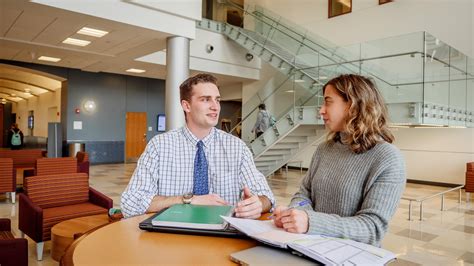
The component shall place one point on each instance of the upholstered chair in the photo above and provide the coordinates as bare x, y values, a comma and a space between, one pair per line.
50, 199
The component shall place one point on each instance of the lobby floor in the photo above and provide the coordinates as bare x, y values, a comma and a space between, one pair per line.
442, 238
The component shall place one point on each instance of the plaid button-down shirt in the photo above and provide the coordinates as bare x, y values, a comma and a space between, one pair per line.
166, 168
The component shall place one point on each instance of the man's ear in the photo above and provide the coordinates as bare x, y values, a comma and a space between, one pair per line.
186, 106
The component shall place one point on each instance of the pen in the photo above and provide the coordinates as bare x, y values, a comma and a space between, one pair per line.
300, 204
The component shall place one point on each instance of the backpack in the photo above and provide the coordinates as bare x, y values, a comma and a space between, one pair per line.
272, 120
16, 138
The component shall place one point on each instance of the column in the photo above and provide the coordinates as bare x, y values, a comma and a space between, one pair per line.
177, 70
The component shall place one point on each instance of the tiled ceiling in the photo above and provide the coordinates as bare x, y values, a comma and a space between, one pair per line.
29, 30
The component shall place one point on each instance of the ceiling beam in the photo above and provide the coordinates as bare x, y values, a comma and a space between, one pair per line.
1, 93
26, 83
10, 88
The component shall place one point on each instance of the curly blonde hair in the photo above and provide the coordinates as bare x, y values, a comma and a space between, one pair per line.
367, 118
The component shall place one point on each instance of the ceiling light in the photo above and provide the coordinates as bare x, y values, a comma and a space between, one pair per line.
13, 94
290, 91
77, 42
92, 32
135, 70
27, 90
49, 59
299, 80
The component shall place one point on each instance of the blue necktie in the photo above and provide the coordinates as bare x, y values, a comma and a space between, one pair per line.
200, 186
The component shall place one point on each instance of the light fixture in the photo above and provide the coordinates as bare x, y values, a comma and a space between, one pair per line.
89, 106
27, 90
92, 32
209, 48
49, 59
76, 42
13, 94
249, 56
135, 70
299, 80
290, 91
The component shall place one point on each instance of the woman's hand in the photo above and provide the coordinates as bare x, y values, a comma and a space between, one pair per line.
291, 220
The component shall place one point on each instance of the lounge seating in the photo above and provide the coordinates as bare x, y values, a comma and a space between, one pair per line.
56, 166
22, 158
82, 162
7, 178
13, 251
50, 199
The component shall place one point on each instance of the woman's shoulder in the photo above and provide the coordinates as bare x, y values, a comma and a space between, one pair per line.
387, 152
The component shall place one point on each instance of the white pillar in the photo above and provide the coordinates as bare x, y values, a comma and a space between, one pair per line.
177, 68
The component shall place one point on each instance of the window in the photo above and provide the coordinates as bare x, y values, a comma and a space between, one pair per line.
381, 2
339, 7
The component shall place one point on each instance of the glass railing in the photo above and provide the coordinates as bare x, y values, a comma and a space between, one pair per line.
424, 80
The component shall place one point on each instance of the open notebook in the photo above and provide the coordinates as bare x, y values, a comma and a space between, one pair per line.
326, 250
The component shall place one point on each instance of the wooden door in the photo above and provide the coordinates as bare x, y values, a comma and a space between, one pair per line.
135, 135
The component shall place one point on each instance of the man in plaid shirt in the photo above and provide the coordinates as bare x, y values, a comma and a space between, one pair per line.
167, 170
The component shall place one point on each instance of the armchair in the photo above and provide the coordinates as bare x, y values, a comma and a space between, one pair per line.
50, 199
82, 162
7, 178
13, 251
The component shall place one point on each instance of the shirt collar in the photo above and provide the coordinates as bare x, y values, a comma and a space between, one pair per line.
194, 140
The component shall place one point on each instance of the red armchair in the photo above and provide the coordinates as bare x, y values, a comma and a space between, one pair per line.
82, 162
13, 251
7, 178
51, 199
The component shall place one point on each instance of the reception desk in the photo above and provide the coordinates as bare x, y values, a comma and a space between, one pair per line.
123, 242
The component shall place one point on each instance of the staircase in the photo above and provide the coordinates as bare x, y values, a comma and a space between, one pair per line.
409, 100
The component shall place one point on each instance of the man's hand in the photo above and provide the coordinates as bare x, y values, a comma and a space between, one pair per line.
209, 199
292, 220
249, 207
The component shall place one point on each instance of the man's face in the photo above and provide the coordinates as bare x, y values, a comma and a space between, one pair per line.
202, 111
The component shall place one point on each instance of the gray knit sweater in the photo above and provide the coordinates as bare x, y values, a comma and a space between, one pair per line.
352, 195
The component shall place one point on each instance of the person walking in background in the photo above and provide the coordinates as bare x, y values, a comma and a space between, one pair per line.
15, 137
263, 121
356, 178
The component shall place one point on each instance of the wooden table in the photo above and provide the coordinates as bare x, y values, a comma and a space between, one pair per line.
124, 243
62, 234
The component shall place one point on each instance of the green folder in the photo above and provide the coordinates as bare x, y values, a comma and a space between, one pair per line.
194, 216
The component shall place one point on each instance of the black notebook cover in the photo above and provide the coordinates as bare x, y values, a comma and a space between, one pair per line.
229, 232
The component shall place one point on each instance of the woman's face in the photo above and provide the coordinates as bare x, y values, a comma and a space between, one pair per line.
334, 110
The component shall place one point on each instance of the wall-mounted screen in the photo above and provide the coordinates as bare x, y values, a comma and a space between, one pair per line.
161, 123
31, 121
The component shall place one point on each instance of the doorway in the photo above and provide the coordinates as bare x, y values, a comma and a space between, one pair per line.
135, 135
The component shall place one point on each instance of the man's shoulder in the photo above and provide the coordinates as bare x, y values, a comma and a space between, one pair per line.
227, 137
168, 136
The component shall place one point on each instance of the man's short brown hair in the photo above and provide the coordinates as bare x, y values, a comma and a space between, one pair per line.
186, 88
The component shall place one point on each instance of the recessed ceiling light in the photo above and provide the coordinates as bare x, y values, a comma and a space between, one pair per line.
27, 90
77, 42
135, 70
50, 59
92, 32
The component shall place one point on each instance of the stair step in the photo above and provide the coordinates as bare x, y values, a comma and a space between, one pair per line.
278, 152
290, 139
287, 145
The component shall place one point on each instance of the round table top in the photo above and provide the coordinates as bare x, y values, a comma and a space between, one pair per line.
124, 242
79, 225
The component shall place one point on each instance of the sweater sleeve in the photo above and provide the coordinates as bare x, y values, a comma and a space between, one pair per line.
381, 197
304, 193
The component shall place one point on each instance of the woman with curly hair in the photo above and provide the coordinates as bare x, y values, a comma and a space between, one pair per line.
356, 178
